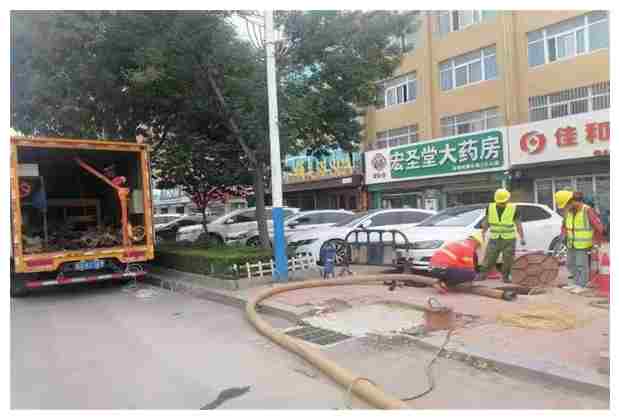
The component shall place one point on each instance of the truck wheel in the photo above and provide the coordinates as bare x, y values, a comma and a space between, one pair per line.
18, 286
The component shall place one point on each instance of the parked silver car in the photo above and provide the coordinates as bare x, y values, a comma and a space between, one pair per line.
231, 228
304, 221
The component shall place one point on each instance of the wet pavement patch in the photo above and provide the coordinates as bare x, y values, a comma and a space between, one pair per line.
376, 318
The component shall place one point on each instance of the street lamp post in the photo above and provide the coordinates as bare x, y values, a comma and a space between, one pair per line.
274, 140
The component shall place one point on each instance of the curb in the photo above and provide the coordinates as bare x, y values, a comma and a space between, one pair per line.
225, 297
576, 379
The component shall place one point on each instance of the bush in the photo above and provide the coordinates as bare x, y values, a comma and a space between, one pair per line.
200, 260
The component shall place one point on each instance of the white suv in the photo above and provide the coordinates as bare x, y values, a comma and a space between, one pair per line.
230, 228
541, 227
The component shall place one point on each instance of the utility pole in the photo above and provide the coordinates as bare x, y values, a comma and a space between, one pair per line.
274, 140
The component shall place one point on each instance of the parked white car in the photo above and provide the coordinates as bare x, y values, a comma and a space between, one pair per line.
304, 221
169, 225
230, 228
541, 227
311, 242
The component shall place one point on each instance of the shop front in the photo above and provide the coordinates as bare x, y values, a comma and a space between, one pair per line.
332, 181
440, 173
563, 153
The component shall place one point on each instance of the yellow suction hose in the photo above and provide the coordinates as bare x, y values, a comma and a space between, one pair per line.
363, 389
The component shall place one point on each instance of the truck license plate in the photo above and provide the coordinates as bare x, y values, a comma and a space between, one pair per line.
89, 265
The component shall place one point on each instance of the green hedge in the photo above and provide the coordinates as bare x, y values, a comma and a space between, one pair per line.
207, 261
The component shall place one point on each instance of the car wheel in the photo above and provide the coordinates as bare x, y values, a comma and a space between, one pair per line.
253, 242
343, 251
210, 239
558, 249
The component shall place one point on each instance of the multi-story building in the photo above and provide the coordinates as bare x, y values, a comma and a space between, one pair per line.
175, 201
485, 99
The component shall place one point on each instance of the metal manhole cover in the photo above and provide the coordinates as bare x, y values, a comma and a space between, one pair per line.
317, 335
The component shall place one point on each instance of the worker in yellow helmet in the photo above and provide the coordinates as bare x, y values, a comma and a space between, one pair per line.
503, 221
581, 229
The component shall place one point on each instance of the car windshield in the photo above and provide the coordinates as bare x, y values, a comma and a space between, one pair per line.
455, 217
352, 220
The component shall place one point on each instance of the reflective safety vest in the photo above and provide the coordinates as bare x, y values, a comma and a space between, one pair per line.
505, 227
579, 233
455, 255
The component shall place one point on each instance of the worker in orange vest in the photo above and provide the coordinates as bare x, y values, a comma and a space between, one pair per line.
456, 262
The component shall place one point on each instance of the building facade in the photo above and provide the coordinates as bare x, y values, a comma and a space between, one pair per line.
331, 181
468, 107
175, 201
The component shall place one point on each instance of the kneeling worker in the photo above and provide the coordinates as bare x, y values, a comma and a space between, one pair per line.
457, 262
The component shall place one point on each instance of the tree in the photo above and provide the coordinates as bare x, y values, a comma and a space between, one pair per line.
183, 75
205, 169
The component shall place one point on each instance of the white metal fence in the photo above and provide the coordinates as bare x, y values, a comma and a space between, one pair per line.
268, 268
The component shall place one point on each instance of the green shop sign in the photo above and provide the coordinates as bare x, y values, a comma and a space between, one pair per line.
478, 152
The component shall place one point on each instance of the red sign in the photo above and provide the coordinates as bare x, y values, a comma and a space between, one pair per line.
566, 136
533, 142
597, 131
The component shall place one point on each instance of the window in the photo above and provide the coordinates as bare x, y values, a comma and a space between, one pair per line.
180, 210
597, 186
385, 219
470, 122
397, 91
569, 102
335, 217
457, 216
246, 216
184, 223
460, 198
532, 214
163, 210
468, 68
395, 137
310, 219
170, 194
580, 35
457, 20
413, 216
288, 213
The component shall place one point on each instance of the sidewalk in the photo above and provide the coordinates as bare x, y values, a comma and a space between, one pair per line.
570, 356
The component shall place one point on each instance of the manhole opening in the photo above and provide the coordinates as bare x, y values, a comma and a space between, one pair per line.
315, 335
523, 290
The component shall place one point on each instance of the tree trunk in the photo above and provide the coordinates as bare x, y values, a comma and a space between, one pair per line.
203, 211
259, 191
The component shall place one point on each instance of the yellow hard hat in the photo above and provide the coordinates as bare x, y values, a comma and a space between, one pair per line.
562, 198
476, 236
502, 195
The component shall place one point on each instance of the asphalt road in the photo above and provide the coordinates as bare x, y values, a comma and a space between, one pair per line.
89, 347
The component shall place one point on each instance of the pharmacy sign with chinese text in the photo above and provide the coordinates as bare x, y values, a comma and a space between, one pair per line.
466, 154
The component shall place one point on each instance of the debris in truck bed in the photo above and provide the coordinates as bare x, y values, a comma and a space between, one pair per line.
68, 238
32, 244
